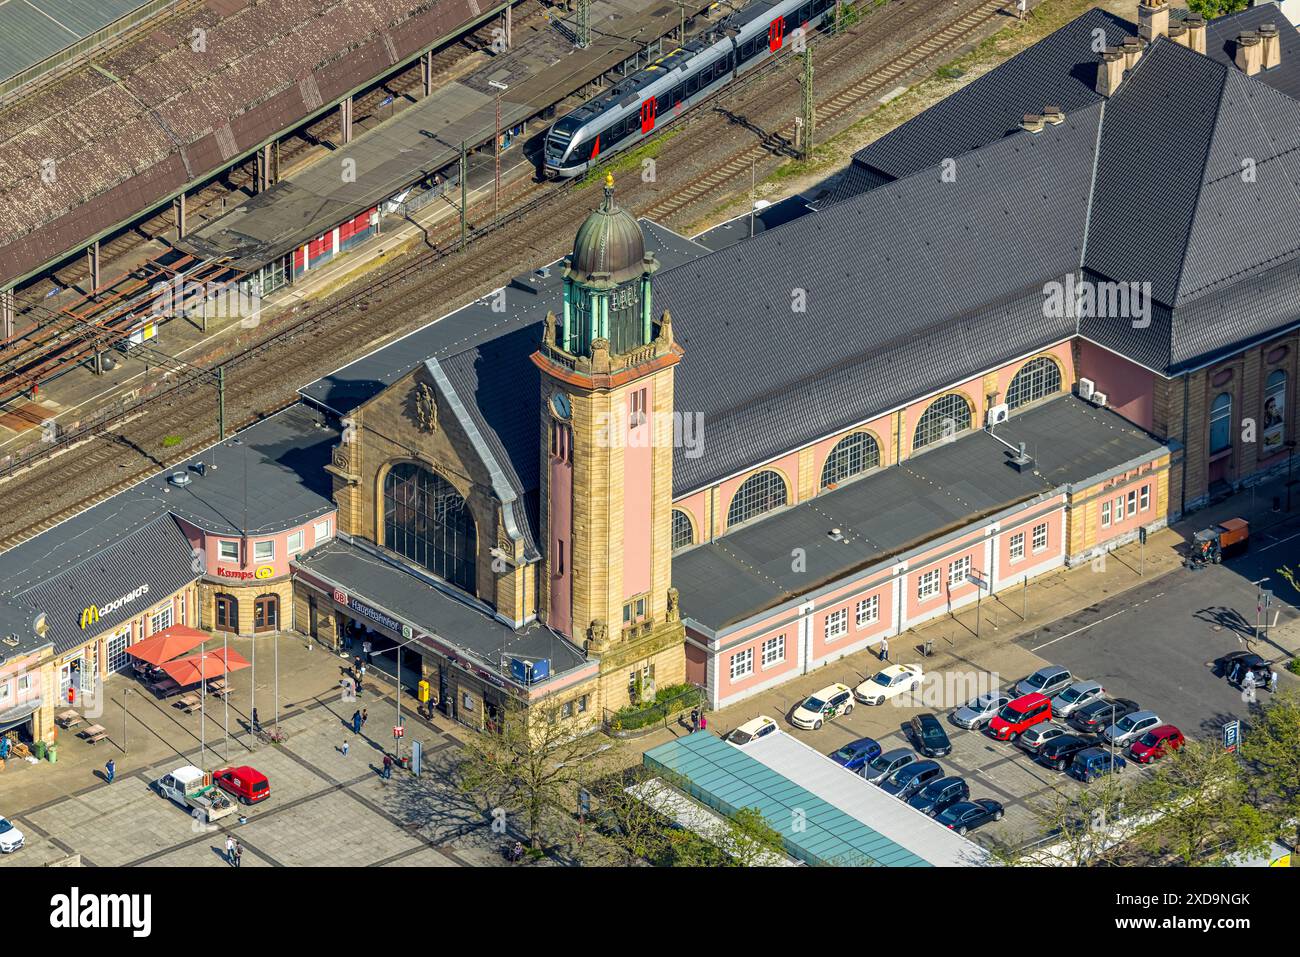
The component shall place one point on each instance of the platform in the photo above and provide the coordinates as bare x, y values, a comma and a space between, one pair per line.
543, 68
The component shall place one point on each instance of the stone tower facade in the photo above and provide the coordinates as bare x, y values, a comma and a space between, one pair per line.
607, 460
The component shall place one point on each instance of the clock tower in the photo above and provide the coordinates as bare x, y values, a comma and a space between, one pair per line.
607, 460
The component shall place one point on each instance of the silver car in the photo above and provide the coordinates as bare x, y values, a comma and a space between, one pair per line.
1130, 727
980, 711
1046, 681
1075, 697
1040, 734
885, 765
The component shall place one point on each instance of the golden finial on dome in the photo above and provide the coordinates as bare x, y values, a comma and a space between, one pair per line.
609, 179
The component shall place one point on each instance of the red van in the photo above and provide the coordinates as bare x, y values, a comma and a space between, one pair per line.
249, 785
1018, 716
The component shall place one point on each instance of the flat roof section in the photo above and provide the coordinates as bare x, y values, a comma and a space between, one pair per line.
897, 508
33, 30
386, 584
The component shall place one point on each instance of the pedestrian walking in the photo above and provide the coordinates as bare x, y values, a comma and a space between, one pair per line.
884, 649
388, 766
704, 722
344, 749
695, 719
356, 722
365, 648
230, 850
1272, 682
1248, 686
110, 771
257, 725
356, 665
239, 854
365, 716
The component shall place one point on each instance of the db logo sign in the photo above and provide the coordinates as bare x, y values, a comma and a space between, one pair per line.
340, 597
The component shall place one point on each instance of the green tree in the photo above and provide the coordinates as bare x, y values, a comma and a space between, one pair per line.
535, 763
1216, 8
749, 840
631, 811
1197, 807
1271, 750
1080, 828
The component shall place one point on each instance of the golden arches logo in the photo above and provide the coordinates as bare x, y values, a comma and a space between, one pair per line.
89, 616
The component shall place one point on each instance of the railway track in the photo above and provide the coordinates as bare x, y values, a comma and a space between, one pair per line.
330, 335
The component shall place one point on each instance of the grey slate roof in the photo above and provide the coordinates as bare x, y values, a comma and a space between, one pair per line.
938, 491
391, 587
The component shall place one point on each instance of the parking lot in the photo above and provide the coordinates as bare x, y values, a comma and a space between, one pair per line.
1155, 644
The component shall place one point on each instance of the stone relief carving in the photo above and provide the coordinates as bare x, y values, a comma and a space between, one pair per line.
426, 408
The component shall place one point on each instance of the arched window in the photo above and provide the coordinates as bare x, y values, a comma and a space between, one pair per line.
1221, 424
683, 533
428, 521
946, 416
227, 613
1037, 379
851, 456
266, 613
761, 492
1274, 412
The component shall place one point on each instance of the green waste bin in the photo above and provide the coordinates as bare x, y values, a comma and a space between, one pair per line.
53, 755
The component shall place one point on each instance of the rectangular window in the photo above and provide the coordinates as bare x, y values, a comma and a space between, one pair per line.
1145, 500
295, 542
958, 570
868, 611
927, 585
161, 620
582, 705
264, 551
1040, 537
1133, 502
837, 624
742, 664
228, 551
1105, 514
566, 710
774, 651
5, 693
559, 557
24, 683
1017, 546
638, 408
320, 532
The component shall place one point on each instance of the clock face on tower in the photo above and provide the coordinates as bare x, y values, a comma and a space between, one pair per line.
561, 406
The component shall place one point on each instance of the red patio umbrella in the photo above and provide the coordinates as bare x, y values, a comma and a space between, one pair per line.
168, 644
196, 668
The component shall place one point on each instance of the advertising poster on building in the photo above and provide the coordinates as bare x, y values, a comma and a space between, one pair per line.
1274, 433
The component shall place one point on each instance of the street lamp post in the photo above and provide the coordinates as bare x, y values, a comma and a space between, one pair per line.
1290, 454
496, 149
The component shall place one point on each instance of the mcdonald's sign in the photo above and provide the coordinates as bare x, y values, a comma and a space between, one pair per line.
89, 616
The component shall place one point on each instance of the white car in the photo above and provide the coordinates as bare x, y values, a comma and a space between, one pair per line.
1130, 727
10, 837
822, 706
752, 730
1075, 697
888, 683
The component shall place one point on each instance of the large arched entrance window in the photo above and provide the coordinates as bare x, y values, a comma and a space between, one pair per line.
946, 416
683, 532
761, 492
266, 613
851, 456
427, 521
1221, 424
1037, 379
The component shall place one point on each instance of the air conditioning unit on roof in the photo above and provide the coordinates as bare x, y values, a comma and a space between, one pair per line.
998, 414
1086, 388
1099, 399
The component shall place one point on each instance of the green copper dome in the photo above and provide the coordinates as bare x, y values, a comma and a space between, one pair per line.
609, 241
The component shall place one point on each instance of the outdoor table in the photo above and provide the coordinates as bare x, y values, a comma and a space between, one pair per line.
189, 702
69, 719
94, 734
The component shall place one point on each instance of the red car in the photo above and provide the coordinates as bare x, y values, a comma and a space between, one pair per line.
1156, 743
249, 785
1020, 715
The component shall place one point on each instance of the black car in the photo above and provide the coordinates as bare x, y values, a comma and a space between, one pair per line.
1099, 715
1235, 666
940, 795
930, 738
967, 815
1060, 753
907, 781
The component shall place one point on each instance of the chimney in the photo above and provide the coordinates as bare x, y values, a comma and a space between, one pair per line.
1249, 51
1110, 71
1032, 122
1054, 115
1132, 49
1272, 45
1179, 34
1153, 19
1196, 33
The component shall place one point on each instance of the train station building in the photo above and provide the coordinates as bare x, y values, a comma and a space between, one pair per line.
1042, 316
